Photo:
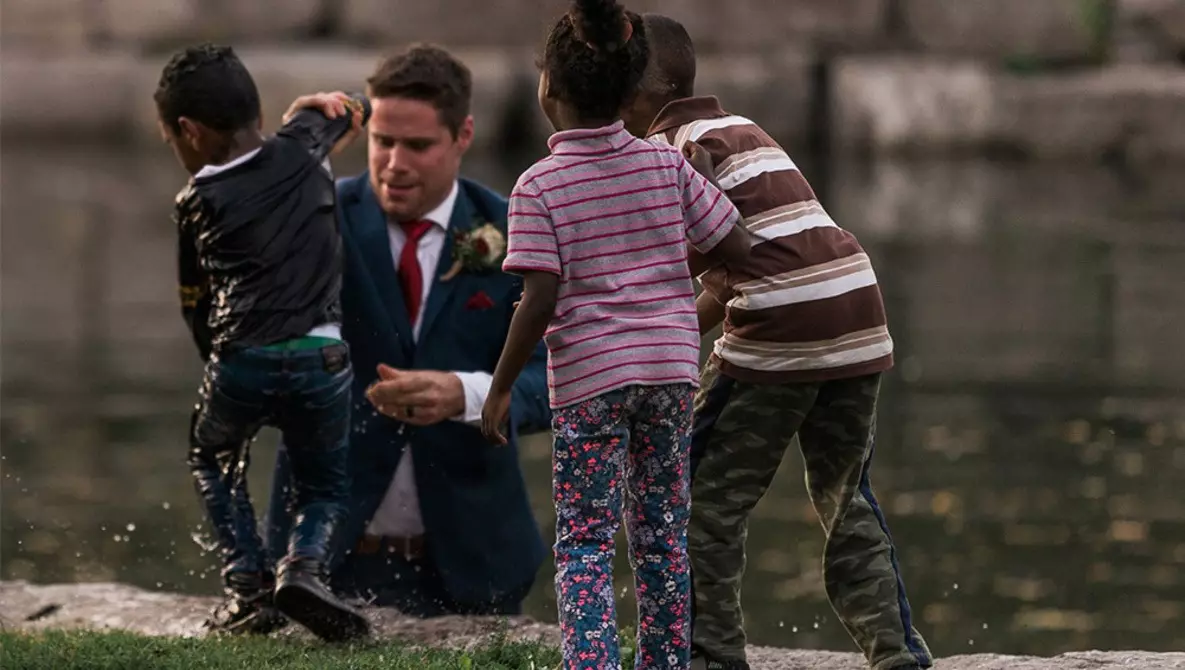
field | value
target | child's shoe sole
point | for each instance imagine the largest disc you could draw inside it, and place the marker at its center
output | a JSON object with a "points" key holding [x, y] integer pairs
{"points": [[328, 620]]}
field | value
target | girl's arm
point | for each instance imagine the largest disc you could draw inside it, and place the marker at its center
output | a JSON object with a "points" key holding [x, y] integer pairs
{"points": [[714, 230], [533, 252], [697, 262], [527, 326], [709, 311]]}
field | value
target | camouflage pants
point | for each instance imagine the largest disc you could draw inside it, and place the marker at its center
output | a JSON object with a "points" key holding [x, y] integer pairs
{"points": [[741, 433]]}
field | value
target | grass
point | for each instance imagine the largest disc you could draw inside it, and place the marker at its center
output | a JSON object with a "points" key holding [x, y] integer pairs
{"points": [[86, 650], [59, 650]]}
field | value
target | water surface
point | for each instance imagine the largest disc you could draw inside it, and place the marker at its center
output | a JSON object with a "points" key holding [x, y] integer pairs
{"points": [[1031, 456]]}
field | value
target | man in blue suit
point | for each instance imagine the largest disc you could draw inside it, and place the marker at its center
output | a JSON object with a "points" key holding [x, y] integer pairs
{"points": [[439, 521]]}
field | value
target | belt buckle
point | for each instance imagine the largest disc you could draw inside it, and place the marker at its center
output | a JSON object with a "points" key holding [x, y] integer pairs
{"points": [[405, 547], [369, 544]]}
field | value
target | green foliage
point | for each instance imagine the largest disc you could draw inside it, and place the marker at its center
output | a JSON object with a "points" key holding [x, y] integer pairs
{"points": [[1098, 18]]}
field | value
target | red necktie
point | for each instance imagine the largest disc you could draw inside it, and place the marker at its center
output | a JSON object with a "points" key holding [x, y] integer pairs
{"points": [[410, 276]]}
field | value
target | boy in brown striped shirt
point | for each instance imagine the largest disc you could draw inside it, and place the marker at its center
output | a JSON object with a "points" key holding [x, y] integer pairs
{"points": [[804, 345]]}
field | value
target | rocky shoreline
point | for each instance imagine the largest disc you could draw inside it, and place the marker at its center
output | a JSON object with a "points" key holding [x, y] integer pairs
{"points": [[105, 606]]}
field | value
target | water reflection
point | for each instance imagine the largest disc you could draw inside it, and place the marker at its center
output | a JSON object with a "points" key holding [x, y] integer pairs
{"points": [[1032, 442]]}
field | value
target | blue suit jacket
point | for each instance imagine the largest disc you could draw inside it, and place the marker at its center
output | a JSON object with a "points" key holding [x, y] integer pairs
{"points": [[479, 527]]}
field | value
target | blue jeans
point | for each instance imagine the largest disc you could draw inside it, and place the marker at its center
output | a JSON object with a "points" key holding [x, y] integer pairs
{"points": [[305, 393]]}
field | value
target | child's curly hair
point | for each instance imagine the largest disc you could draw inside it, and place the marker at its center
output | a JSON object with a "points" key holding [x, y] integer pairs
{"points": [[595, 57]]}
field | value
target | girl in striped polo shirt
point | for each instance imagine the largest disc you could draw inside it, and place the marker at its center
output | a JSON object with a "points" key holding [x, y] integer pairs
{"points": [[600, 230]]}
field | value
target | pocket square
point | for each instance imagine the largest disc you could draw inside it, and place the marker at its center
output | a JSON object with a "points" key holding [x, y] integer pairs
{"points": [[479, 300]]}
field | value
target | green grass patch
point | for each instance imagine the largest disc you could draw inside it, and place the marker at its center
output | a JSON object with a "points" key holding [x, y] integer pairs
{"points": [[124, 651]]}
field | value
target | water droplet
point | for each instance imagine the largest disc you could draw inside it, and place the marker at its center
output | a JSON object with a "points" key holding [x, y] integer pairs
{"points": [[781, 624], [794, 629], [985, 626], [131, 527], [160, 585], [956, 587], [118, 538], [165, 505], [970, 643], [816, 625]]}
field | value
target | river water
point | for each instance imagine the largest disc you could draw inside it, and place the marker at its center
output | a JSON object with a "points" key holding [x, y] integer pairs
{"points": [[1031, 456]]}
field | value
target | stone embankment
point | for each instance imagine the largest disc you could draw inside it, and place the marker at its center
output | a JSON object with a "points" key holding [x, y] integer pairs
{"points": [[118, 607], [1056, 79]]}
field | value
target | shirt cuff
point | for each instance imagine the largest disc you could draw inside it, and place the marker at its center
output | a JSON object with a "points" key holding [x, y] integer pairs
{"points": [[477, 387]]}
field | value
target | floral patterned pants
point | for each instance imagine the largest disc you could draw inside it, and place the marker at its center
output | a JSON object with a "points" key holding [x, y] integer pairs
{"points": [[628, 447]]}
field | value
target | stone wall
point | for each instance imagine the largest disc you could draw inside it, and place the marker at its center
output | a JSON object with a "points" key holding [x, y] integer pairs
{"points": [[1055, 79]]}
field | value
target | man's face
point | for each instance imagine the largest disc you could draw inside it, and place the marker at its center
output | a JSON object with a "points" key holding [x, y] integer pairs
{"points": [[413, 156]]}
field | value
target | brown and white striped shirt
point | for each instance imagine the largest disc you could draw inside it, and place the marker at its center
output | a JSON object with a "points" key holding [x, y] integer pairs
{"points": [[806, 305]]}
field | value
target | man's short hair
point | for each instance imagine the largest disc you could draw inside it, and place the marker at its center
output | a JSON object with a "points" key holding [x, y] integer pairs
{"points": [[672, 57], [209, 84], [429, 74]]}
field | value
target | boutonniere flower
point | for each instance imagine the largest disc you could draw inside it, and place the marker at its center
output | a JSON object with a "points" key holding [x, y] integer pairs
{"points": [[481, 249]]}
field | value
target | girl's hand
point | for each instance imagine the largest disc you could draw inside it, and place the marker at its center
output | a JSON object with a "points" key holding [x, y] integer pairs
{"points": [[494, 415]]}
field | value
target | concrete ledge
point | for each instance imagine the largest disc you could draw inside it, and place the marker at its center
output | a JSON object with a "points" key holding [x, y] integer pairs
{"points": [[120, 607], [1135, 113], [911, 103], [1000, 29], [84, 95], [744, 25], [878, 104], [39, 96], [914, 104]]}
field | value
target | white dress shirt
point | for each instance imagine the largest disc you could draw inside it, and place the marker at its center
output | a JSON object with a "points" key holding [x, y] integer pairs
{"points": [[398, 515]]}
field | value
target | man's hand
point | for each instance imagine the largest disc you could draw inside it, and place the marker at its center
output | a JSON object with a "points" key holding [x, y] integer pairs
{"points": [[494, 414], [332, 105], [700, 159], [417, 397]]}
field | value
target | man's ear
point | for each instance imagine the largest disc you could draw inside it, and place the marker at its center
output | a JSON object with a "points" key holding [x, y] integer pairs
{"points": [[465, 133]]}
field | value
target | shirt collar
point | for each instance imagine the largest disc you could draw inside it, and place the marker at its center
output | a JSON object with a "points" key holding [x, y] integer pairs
{"points": [[443, 213], [683, 111], [211, 170], [586, 141]]}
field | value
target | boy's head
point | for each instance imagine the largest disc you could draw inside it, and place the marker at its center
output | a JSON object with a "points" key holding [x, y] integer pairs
{"points": [[419, 129], [592, 63], [670, 74], [205, 96]]}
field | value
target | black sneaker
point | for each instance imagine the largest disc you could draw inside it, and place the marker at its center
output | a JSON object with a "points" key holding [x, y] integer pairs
{"points": [[702, 661], [302, 596], [246, 611]]}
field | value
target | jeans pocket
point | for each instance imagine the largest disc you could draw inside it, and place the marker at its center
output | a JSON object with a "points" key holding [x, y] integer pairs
{"points": [[336, 357]]}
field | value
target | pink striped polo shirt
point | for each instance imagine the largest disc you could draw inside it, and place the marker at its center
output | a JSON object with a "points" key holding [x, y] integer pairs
{"points": [[611, 215]]}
